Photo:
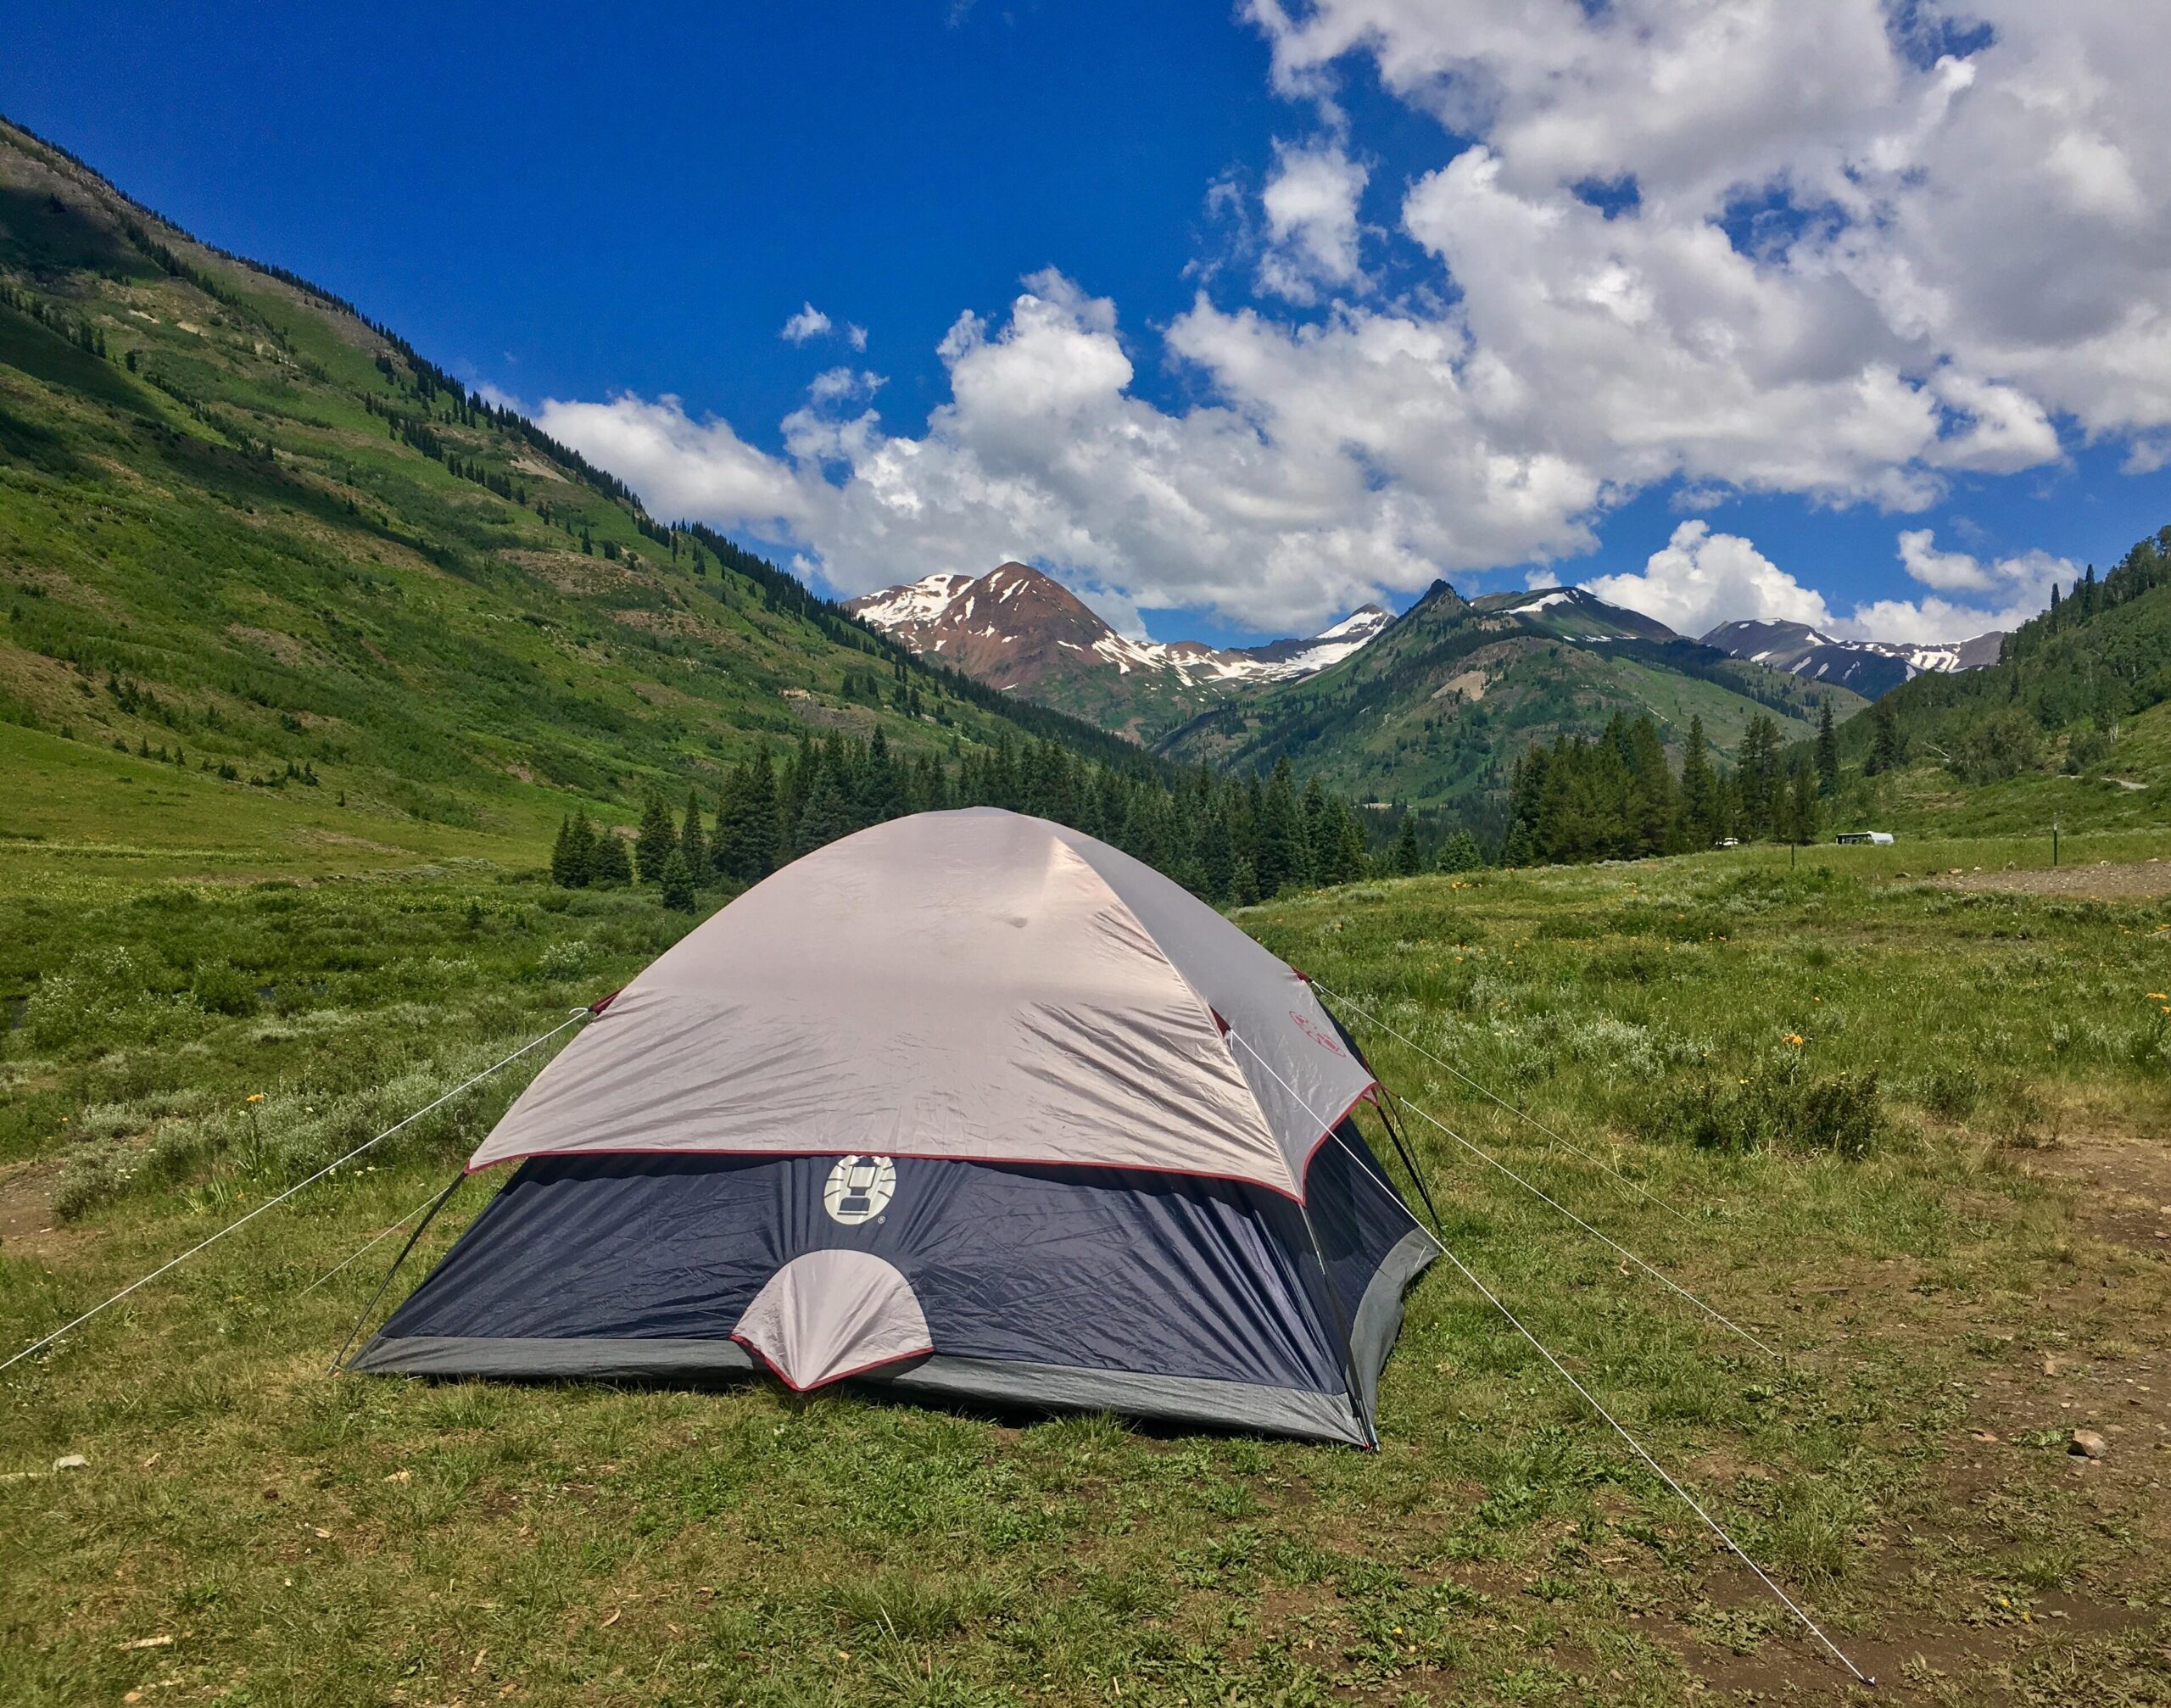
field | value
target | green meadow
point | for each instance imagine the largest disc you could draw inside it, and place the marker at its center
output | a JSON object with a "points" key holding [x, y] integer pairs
{"points": [[1904, 1127]]}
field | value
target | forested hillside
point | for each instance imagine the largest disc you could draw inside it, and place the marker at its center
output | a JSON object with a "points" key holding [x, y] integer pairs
{"points": [[2064, 686], [1436, 711], [2070, 723]]}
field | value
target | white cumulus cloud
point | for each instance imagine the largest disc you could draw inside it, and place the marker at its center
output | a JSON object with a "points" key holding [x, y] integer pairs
{"points": [[2007, 591], [810, 322], [1699, 579], [1310, 203], [682, 467], [1847, 251]]}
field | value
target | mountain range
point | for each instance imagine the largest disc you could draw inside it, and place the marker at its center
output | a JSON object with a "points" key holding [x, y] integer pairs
{"points": [[1427, 707], [1026, 632], [1433, 710], [1021, 630], [1870, 667]]}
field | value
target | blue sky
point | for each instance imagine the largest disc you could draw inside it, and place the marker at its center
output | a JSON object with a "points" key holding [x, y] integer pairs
{"points": [[602, 216]]}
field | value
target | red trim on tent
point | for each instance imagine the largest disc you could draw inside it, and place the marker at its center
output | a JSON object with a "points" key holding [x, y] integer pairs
{"points": [[1361, 1097], [602, 1003], [842, 1374], [948, 1157]]}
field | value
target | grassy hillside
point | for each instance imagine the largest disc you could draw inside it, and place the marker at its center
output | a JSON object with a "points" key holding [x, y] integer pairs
{"points": [[1961, 1272], [301, 575], [1434, 711]]}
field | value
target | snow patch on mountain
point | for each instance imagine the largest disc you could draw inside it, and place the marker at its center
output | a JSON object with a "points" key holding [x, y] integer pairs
{"points": [[1868, 666], [928, 613]]}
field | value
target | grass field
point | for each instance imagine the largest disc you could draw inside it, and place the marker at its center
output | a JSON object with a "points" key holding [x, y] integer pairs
{"points": [[1910, 1132]]}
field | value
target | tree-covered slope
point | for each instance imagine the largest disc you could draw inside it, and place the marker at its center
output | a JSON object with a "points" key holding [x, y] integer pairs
{"points": [[248, 536], [1435, 712], [2073, 722], [2064, 687]]}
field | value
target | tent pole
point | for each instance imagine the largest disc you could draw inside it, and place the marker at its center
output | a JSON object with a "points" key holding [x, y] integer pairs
{"points": [[429, 1216], [1407, 1151], [1403, 1147]]}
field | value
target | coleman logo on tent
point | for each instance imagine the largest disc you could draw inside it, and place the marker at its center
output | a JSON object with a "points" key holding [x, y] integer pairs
{"points": [[859, 1189]]}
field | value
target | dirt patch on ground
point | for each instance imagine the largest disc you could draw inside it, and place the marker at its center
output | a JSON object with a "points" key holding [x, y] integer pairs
{"points": [[282, 647], [28, 1226], [2104, 881], [340, 839], [2125, 1183]]}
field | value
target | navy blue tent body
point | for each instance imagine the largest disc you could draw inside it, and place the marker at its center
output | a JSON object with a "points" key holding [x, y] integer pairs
{"points": [[969, 1105]]}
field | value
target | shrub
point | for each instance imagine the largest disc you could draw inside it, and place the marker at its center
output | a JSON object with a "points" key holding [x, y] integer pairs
{"points": [[222, 988], [91, 1175], [1950, 1091], [2003, 744], [567, 960], [1778, 1102]]}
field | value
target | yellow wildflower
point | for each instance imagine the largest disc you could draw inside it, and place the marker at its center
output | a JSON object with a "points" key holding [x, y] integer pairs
{"points": [[256, 1097], [1794, 1038]]}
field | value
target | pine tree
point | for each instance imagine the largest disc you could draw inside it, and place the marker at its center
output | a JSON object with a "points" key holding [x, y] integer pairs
{"points": [[1321, 833], [1460, 853], [881, 790], [1217, 857], [1760, 782], [826, 816], [1888, 747], [608, 863], [1802, 806], [1345, 858], [747, 834], [692, 843], [654, 841], [677, 878], [1701, 820], [1405, 859], [572, 855], [1519, 850], [1283, 861], [1828, 750]]}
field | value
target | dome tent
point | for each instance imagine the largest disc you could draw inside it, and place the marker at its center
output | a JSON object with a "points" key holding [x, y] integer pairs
{"points": [[966, 1104]]}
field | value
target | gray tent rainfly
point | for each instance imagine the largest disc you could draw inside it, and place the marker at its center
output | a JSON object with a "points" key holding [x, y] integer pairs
{"points": [[969, 1104]]}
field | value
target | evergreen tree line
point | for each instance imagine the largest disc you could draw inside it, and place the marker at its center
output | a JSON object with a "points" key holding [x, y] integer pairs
{"points": [[1231, 840], [82, 334], [2148, 565], [1615, 797]]}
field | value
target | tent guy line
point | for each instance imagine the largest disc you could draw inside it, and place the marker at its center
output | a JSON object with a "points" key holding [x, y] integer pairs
{"points": [[1520, 1114], [1592, 1401], [578, 1015], [1334, 1131], [1656, 1275], [373, 1241], [1687, 1498]]}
